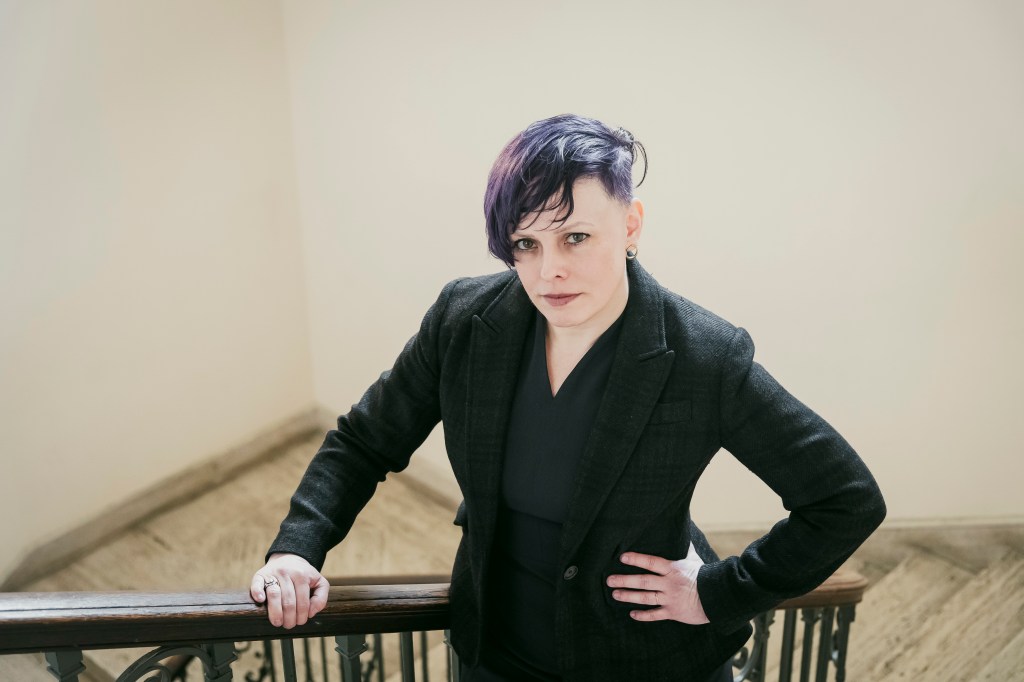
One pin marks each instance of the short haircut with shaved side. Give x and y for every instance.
(545, 160)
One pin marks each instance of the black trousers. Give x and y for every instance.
(484, 674)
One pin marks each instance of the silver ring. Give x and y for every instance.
(269, 583)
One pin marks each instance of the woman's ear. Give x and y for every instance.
(634, 221)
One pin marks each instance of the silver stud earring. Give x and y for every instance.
(631, 251)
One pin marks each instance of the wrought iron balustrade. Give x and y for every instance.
(215, 628)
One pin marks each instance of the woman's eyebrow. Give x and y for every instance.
(560, 228)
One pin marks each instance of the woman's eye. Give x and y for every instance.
(522, 244)
(576, 237)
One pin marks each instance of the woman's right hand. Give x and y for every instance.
(299, 594)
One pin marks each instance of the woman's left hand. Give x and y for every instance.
(671, 586)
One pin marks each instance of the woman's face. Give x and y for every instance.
(575, 272)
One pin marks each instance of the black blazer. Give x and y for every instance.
(683, 384)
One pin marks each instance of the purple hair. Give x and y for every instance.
(546, 159)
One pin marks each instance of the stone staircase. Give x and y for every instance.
(970, 622)
(945, 603)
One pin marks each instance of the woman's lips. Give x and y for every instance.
(558, 300)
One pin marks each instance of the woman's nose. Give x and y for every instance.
(553, 265)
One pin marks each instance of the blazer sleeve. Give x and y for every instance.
(833, 501)
(378, 435)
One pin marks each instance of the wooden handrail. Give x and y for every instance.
(398, 579)
(40, 621)
(44, 621)
(843, 588)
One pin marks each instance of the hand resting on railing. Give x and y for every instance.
(293, 589)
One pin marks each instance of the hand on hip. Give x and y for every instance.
(671, 587)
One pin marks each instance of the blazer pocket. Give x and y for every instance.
(671, 413)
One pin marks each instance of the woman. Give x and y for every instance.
(581, 401)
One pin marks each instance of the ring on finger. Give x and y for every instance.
(271, 582)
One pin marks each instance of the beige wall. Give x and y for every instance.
(845, 182)
(151, 287)
(215, 214)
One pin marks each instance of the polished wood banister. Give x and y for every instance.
(843, 588)
(398, 579)
(40, 621)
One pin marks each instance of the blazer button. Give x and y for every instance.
(570, 573)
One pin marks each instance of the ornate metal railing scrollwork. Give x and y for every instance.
(215, 658)
(266, 669)
(750, 661)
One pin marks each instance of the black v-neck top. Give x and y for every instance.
(546, 439)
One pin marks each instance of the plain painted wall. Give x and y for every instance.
(844, 181)
(214, 215)
(151, 285)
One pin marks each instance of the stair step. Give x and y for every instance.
(971, 628)
(897, 610)
(885, 619)
(1007, 665)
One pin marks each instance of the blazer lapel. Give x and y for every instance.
(495, 352)
(639, 370)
